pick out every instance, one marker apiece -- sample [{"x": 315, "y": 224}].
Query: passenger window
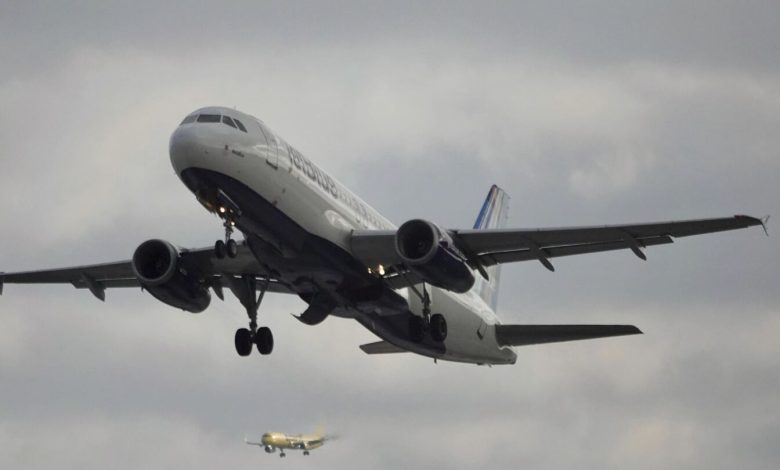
[
  {"x": 240, "y": 126},
  {"x": 209, "y": 118},
  {"x": 228, "y": 121},
  {"x": 189, "y": 119}
]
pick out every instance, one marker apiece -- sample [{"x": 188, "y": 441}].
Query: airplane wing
[
  {"x": 98, "y": 277},
  {"x": 483, "y": 248},
  {"x": 523, "y": 335},
  {"x": 248, "y": 442}
]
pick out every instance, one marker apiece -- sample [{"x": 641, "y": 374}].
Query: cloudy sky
[{"x": 602, "y": 113}]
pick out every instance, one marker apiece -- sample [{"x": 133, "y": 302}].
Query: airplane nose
[{"x": 185, "y": 146}]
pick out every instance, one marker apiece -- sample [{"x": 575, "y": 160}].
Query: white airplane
[{"x": 419, "y": 287}]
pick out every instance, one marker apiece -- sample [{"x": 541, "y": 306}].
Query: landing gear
[
  {"x": 305, "y": 452},
  {"x": 245, "y": 289},
  {"x": 264, "y": 340},
  {"x": 227, "y": 247},
  {"x": 416, "y": 328},
  {"x": 282, "y": 455},
  {"x": 243, "y": 342},
  {"x": 438, "y": 328},
  {"x": 434, "y": 324}
]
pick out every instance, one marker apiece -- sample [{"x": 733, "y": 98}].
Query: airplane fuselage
[{"x": 297, "y": 221}]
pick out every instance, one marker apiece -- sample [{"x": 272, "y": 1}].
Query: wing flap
[
  {"x": 523, "y": 335},
  {"x": 526, "y": 255}
]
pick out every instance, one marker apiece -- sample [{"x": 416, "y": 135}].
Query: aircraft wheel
[
  {"x": 282, "y": 455},
  {"x": 231, "y": 248},
  {"x": 305, "y": 452},
  {"x": 438, "y": 327},
  {"x": 220, "y": 249},
  {"x": 416, "y": 328},
  {"x": 264, "y": 340},
  {"x": 243, "y": 341}
]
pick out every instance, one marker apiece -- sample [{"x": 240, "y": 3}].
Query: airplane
[
  {"x": 271, "y": 441},
  {"x": 420, "y": 287}
]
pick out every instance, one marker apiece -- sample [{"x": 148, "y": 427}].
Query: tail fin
[{"x": 494, "y": 214}]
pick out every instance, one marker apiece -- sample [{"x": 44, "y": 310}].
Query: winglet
[{"x": 764, "y": 222}]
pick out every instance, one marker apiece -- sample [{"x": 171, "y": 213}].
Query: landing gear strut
[
  {"x": 435, "y": 325},
  {"x": 228, "y": 247},
  {"x": 245, "y": 289}
]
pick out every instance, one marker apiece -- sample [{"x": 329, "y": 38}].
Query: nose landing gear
[{"x": 228, "y": 247}]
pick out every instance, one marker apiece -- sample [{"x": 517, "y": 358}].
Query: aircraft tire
[
  {"x": 220, "y": 249},
  {"x": 438, "y": 327},
  {"x": 243, "y": 342},
  {"x": 416, "y": 328},
  {"x": 305, "y": 452},
  {"x": 231, "y": 248},
  {"x": 264, "y": 340}
]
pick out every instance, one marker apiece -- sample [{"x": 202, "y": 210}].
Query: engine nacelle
[
  {"x": 430, "y": 252},
  {"x": 270, "y": 449},
  {"x": 157, "y": 265}
]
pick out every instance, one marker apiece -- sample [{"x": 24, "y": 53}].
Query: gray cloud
[{"x": 590, "y": 114}]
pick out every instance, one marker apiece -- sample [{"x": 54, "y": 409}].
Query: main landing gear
[
  {"x": 228, "y": 247},
  {"x": 435, "y": 325},
  {"x": 245, "y": 289}
]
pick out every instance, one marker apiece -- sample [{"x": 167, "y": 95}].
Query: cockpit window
[
  {"x": 209, "y": 118},
  {"x": 189, "y": 119},
  {"x": 240, "y": 126},
  {"x": 228, "y": 121}
]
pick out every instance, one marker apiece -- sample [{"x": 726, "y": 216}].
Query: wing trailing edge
[{"x": 523, "y": 335}]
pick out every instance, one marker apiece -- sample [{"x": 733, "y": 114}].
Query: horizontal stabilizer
[
  {"x": 522, "y": 335},
  {"x": 381, "y": 347}
]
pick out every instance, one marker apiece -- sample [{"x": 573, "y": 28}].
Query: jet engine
[
  {"x": 270, "y": 449},
  {"x": 158, "y": 266},
  {"x": 430, "y": 252}
]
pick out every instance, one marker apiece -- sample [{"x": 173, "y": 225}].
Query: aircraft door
[{"x": 272, "y": 156}]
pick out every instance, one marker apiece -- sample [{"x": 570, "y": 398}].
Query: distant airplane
[
  {"x": 419, "y": 287},
  {"x": 279, "y": 440}
]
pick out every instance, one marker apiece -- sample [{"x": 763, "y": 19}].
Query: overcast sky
[{"x": 609, "y": 112}]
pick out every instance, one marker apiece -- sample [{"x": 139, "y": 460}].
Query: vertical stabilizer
[{"x": 494, "y": 214}]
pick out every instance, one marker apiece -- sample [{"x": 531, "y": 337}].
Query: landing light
[
  {"x": 222, "y": 210},
  {"x": 381, "y": 270}
]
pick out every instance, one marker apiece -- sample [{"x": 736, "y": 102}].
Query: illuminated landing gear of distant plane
[
  {"x": 435, "y": 325},
  {"x": 245, "y": 289}
]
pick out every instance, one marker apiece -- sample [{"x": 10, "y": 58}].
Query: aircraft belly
[{"x": 289, "y": 212}]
